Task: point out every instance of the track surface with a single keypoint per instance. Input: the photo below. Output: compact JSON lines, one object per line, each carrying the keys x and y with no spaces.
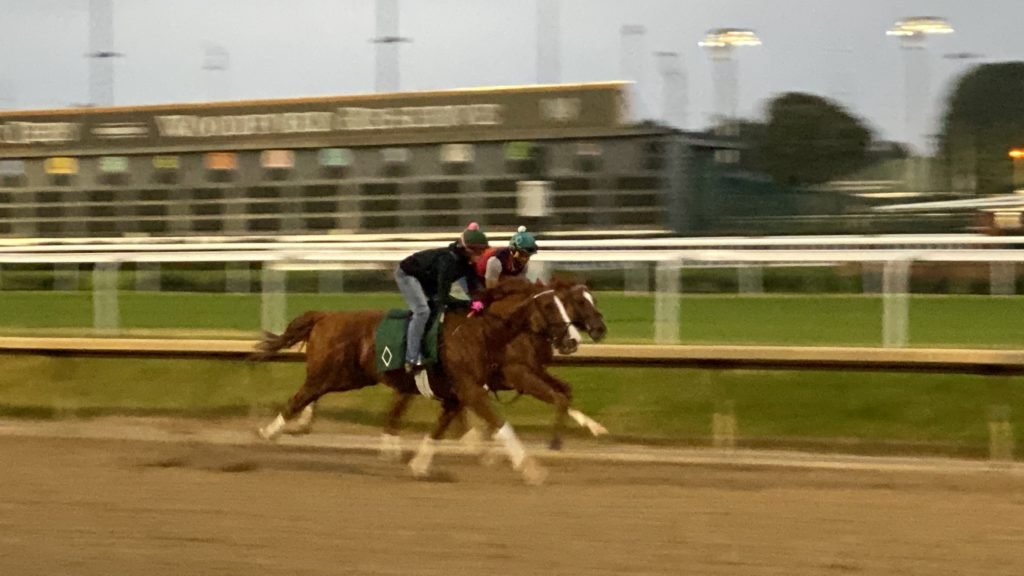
{"x":92,"y":506}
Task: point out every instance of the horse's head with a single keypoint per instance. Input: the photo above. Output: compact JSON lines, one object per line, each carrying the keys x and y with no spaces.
{"x":540,"y":308}
{"x":582,"y":308}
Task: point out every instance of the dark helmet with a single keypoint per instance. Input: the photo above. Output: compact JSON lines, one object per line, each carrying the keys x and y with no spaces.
{"x":474,"y":239}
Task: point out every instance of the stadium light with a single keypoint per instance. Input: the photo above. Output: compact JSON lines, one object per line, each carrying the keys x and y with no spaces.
{"x":729,"y":38}
{"x":920,"y":26}
{"x":720,"y":44}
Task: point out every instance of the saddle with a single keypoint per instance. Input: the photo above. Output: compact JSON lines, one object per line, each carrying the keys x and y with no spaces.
{"x":389,"y":340}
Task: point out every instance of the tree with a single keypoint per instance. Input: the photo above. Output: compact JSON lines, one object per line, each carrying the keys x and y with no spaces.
{"x":984,"y":119}
{"x":811,"y":140}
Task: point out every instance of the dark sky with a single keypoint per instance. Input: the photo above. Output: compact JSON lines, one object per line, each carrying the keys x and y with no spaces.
{"x":282,"y":48}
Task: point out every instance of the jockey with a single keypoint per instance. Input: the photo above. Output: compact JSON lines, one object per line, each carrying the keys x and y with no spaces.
{"x":513,"y":260}
{"x":425,"y":280}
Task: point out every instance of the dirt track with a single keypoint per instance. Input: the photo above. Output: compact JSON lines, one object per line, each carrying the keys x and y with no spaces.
{"x":98,"y":507}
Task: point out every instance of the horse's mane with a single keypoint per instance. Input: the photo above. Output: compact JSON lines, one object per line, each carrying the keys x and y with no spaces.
{"x":565,"y":282}
{"x":511,"y":287}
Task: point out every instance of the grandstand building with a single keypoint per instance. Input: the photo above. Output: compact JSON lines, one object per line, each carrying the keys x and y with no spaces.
{"x":566,"y":157}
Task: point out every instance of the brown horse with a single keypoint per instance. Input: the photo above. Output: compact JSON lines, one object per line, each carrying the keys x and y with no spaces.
{"x":520,"y":367}
{"x":340,"y":356}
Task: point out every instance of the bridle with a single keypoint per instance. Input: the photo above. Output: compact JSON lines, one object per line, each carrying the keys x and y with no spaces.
{"x":564,"y":328}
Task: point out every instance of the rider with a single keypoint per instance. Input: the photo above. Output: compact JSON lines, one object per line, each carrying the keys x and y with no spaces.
{"x":498,"y":263}
{"x":429,"y":274}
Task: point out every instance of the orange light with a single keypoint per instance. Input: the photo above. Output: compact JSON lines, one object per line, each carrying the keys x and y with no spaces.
{"x":1017,"y":153}
{"x":221,"y":161}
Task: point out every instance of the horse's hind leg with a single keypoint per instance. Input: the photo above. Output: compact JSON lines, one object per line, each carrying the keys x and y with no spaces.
{"x":390,"y":443}
{"x":304,"y":423}
{"x":420,"y":464}
{"x":310,"y":392}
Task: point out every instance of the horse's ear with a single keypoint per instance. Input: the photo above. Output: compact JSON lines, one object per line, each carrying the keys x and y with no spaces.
{"x":565,"y":280}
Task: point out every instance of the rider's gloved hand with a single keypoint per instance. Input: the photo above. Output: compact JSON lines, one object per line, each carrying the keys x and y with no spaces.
{"x":476,"y":307}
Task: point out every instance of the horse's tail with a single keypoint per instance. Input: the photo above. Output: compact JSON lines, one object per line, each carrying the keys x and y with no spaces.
{"x":298,"y":330}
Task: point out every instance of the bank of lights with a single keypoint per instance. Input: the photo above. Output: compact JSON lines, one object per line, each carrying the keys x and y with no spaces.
{"x":729,"y":37}
{"x":920,"y":26}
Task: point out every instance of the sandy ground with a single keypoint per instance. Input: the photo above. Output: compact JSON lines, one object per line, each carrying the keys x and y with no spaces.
{"x":87,"y":506}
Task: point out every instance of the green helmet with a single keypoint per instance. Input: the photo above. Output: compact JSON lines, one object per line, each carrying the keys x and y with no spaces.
{"x":523,"y":240}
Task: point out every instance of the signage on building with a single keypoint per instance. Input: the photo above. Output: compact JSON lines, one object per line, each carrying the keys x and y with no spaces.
{"x":423,"y":117}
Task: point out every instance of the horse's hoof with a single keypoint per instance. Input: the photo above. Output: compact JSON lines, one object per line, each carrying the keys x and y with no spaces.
{"x":420,"y":467}
{"x":390,"y":449}
{"x":472,"y":441}
{"x":555,"y":444}
{"x":490,"y":458}
{"x":390,"y":454}
{"x":533,"y":473}
{"x":265,"y":436}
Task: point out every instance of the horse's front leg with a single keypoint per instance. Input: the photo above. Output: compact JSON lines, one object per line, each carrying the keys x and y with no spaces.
{"x":420,"y":464}
{"x":534,"y":381}
{"x":562,"y":387}
{"x":390,"y":442}
{"x":475,"y":398}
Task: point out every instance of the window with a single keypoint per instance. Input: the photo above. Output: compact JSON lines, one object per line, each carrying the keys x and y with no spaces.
{"x":113,"y":170}
{"x":335,"y":162}
{"x":220,"y":166}
{"x":277,"y":164}
{"x":588,"y":156}
{"x":166,"y":169}
{"x":12,"y":173}
{"x":61,"y":170}
{"x":395,"y":162}
{"x":456,"y":158}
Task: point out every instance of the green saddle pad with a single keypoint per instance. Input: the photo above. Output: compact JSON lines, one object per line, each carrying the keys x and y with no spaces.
{"x":389,"y":341}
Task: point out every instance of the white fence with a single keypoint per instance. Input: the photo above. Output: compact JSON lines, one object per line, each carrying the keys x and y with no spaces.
{"x":637,"y":259}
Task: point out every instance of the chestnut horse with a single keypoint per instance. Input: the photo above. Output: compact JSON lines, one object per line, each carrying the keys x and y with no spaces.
{"x":521,"y":367}
{"x":340,"y":356}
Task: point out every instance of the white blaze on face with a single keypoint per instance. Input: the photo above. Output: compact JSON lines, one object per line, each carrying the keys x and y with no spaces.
{"x":589,"y":298}
{"x":574,"y":334}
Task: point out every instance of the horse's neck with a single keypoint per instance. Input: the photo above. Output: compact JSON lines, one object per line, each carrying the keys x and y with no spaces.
{"x":500,"y":329}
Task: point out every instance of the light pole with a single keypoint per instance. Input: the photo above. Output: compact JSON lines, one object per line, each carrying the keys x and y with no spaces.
{"x":101,"y":53}
{"x":549,"y":69}
{"x":963,"y":146}
{"x":673,"y":89}
{"x":721,"y":45}
{"x":632,"y":56}
{"x":913,"y":34}
{"x":216,"y":62}
{"x":388,"y":73}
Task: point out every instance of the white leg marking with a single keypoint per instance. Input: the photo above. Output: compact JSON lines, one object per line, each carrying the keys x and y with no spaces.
{"x":390,"y":448}
{"x":587,"y":422}
{"x":420,"y":464}
{"x":304,"y":423}
{"x":533,"y":473}
{"x":513,"y":447}
{"x":273,"y":430}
